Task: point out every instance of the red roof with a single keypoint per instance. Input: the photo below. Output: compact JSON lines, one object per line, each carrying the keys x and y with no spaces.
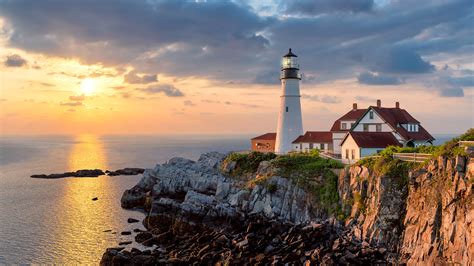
{"x":315,"y":137}
{"x":396,"y":116}
{"x":352,"y":115}
{"x":373,"y":139}
{"x":267,"y":136}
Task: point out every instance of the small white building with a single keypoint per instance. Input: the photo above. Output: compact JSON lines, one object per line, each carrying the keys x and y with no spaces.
{"x":357,"y":145}
{"x":321,"y":140}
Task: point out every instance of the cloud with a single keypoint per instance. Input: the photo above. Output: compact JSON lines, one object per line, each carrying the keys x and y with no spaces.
{"x":314,"y":7}
{"x":209,"y":101}
{"x":401,"y":60}
{"x":15,"y":61}
{"x":77,"y":98}
{"x":230,"y":40}
{"x":242,"y":104}
{"x":322,"y":99}
{"x":370,"y":78}
{"x":268,"y":77}
{"x":188,"y":103}
{"x":365,"y":98}
{"x":168,"y":90}
{"x":134,"y":78}
{"x":71,"y":104}
{"x":452,"y":92}
{"x":465,"y":81}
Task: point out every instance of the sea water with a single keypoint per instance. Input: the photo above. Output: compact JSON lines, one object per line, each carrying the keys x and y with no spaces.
{"x":55,"y":221}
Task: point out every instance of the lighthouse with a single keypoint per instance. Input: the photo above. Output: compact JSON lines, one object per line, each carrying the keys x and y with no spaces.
{"x":290,"y":122}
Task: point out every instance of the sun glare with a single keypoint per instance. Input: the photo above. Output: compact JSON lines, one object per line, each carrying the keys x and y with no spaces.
{"x":88,"y":86}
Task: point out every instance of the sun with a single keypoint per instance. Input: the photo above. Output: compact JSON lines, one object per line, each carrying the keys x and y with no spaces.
{"x":88,"y":86}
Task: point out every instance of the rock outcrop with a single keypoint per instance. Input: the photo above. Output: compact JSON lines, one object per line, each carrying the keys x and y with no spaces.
{"x":428,"y":219}
{"x":197,"y":191}
{"x":439,"y":219}
{"x":197,"y":213}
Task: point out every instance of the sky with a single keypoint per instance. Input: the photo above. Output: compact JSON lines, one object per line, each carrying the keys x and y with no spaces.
{"x":212,"y":67}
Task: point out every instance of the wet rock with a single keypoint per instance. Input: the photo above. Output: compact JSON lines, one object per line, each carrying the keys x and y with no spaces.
{"x":143,"y":236}
{"x":126,"y":171}
{"x":79,"y":173}
{"x":131,"y":220}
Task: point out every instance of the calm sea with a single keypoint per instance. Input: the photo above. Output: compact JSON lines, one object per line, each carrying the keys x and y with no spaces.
{"x":55,"y":221}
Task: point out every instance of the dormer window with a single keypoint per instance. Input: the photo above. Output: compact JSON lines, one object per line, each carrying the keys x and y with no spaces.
{"x":371,"y":115}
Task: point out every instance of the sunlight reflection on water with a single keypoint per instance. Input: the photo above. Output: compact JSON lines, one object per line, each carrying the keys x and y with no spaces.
{"x":87,"y":153}
{"x":55,"y":221}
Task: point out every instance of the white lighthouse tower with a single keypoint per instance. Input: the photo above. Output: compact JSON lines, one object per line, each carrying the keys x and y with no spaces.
{"x":290,"y":124}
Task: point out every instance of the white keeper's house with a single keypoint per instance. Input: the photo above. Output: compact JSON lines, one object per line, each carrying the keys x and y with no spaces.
{"x":356,"y":134}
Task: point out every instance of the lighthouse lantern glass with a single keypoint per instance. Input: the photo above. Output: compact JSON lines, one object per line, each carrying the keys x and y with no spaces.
{"x":289,"y":62}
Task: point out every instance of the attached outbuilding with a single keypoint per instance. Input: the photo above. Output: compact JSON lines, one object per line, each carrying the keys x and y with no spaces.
{"x":357,"y":145}
{"x":321,"y":140}
{"x":264,"y":143}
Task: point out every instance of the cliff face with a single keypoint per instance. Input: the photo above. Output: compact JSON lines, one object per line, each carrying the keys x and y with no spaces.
{"x":428,"y":220}
{"x":198,"y":193}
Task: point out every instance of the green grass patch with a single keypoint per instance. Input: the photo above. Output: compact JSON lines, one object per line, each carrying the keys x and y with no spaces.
{"x":247,"y":163}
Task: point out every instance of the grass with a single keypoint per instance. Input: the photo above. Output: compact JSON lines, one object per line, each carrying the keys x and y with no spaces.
{"x":247,"y":163}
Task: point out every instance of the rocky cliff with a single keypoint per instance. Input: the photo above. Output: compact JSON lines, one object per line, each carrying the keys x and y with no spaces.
{"x":199,"y":192}
{"x":424,"y":215}
{"x":395,"y":212}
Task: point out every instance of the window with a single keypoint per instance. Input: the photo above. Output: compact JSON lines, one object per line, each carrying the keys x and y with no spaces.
{"x":321,"y":146}
{"x":378,"y":128}
{"x":343,"y":126}
{"x":353,"y":153}
{"x":371,"y":115}
{"x":287,"y":109}
{"x":347,"y":154}
{"x":352,"y":125}
{"x":366,"y":127}
{"x":311,"y":146}
{"x":416,"y":127}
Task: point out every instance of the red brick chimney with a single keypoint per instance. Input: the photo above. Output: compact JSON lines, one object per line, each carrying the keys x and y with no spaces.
{"x":397,"y":105}
{"x":354,"y":106}
{"x":379,"y":103}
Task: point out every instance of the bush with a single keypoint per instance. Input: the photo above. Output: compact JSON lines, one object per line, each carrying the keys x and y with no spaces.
{"x":248,"y":162}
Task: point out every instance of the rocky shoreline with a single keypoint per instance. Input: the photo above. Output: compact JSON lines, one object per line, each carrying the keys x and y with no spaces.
{"x":92,"y":173}
{"x":197,"y":213}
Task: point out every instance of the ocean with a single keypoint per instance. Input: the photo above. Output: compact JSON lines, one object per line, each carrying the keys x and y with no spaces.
{"x":55,"y":221}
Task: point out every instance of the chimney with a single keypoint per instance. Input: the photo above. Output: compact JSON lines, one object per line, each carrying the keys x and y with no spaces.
{"x":379,"y":103}
{"x":354,"y":106}
{"x":397,"y":105}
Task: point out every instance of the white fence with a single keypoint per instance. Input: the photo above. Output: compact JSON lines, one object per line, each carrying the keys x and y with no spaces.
{"x":412,"y":157}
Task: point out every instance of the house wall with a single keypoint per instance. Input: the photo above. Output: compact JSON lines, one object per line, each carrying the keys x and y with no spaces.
{"x":336,"y":141}
{"x":305,"y":146}
{"x":350,"y":145}
{"x":263,"y":145}
{"x":348,"y":124}
{"x":372,"y":127}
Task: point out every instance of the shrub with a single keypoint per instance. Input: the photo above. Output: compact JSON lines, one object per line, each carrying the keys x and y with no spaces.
{"x":248,"y":162}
